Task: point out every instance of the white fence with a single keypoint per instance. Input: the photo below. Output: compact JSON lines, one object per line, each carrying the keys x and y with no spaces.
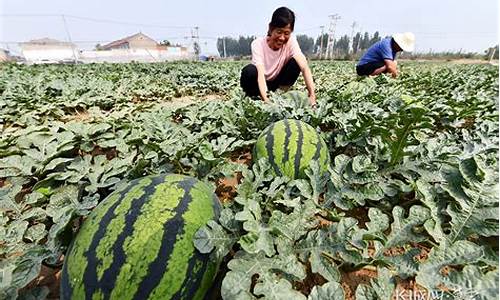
{"x":128,"y":55}
{"x":52,"y":55}
{"x":61,"y":55}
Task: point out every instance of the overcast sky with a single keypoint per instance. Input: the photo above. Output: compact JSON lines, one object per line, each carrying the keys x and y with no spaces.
{"x":438,"y":25}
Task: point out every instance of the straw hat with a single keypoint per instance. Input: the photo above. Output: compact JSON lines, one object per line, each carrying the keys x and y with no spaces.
{"x":405,"y":40}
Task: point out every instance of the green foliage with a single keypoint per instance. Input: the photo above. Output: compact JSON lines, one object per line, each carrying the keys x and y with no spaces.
{"x":306,"y":44}
{"x":235,"y":47}
{"x":411,"y":190}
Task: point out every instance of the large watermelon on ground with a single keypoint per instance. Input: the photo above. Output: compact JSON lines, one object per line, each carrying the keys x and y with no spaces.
{"x":138,"y":243}
{"x":290,"y":146}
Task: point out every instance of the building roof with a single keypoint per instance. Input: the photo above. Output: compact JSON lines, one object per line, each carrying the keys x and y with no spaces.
{"x":125,"y":40}
{"x":48,"y":41}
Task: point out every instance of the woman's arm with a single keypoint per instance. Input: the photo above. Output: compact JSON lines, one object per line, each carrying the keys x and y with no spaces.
{"x":261,"y":82}
{"x":258,"y":61}
{"x":306,"y":72}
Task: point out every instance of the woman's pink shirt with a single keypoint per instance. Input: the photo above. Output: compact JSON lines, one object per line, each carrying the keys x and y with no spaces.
{"x":273,"y":60}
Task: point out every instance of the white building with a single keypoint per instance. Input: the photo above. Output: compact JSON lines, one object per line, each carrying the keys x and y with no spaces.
{"x":48,"y":50}
{"x":135,"y":41}
{"x":137,"y":47}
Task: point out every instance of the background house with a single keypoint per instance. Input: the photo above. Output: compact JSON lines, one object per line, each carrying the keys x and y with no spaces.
{"x":137,"y":47}
{"x":136,"y":41}
{"x":48,"y":50}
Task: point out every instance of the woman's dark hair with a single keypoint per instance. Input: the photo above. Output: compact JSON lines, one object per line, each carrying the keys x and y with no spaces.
{"x":282,"y":17}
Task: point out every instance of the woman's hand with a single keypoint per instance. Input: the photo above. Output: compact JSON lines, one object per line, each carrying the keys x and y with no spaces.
{"x":312,"y":100}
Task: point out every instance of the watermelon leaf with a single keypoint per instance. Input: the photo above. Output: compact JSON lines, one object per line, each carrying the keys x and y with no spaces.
{"x":236,"y":286}
{"x":214,"y":236}
{"x":258,"y":237}
{"x":474,"y":188}
{"x":381,"y":288}
{"x":245,"y":265}
{"x":459,"y":253}
{"x":403,"y":230}
{"x":272,"y":287}
{"x":327,"y":291}
{"x":473,"y":283}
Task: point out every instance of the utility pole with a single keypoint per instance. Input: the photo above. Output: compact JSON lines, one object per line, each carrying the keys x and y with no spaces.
{"x":321,"y":42}
{"x":331,"y":35}
{"x":69,"y":38}
{"x":224,"y":46}
{"x":492,"y":54}
{"x":196,"y":37}
{"x":352,"y":38}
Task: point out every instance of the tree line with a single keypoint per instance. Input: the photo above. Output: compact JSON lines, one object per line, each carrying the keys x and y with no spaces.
{"x":343,"y":47}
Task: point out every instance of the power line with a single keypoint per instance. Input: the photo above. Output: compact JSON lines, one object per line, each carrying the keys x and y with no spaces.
{"x":381,"y":26}
{"x":29,"y":15}
{"x":310,"y":28}
{"x":128,"y":23}
{"x":97,"y":20}
{"x":69,"y":37}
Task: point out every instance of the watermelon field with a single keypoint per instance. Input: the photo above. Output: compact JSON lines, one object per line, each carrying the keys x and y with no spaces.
{"x":402,"y":202}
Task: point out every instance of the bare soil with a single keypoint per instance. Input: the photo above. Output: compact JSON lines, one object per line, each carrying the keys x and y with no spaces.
{"x":226,"y":187}
{"x":79,"y":116}
{"x":350,"y":280}
{"x":49,"y":277}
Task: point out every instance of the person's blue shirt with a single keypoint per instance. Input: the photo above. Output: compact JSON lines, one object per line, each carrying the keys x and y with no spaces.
{"x":378,"y":52}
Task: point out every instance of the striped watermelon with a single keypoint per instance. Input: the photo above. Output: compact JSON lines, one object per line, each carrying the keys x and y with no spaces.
{"x":138,"y":243}
{"x":290,"y":146}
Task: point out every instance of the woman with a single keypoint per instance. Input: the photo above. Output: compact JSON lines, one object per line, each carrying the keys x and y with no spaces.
{"x":277,"y":60}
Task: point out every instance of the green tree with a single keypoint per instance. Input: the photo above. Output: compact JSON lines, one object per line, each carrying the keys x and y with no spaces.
{"x":365,"y":41}
{"x":196,"y":48}
{"x":375,"y":38}
{"x":355,"y":42}
{"x":317,"y":45}
{"x":244,"y":44}
{"x":341,"y":47}
{"x":235,"y":47}
{"x":230,"y":42}
{"x":220,"y":46}
{"x":306,"y":44}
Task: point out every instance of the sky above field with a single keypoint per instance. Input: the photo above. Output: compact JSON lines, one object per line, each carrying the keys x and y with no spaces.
{"x":439,"y":25}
